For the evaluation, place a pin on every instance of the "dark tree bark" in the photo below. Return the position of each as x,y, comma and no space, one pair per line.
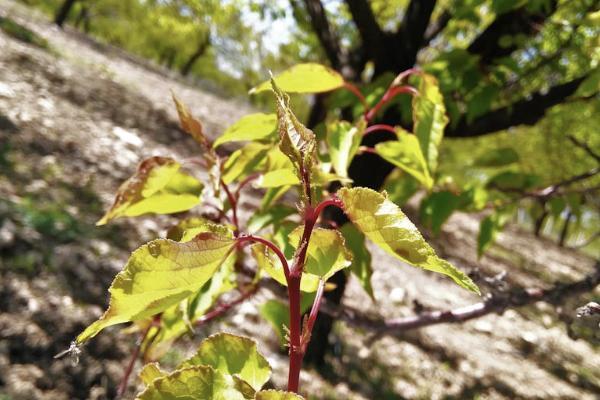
565,230
519,21
63,12
200,51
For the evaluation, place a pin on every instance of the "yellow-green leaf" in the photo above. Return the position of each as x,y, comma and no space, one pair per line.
158,275
343,140
305,78
429,118
150,372
386,225
278,178
197,382
157,187
277,395
361,258
326,254
233,355
257,126
406,154
296,141
268,262
244,161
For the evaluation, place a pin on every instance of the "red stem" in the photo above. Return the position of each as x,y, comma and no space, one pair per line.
223,308
379,127
233,204
123,385
333,201
296,352
392,92
358,94
313,315
243,183
270,245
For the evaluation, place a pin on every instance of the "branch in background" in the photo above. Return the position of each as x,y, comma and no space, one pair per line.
372,37
221,309
495,303
434,29
524,112
325,33
411,35
584,146
515,22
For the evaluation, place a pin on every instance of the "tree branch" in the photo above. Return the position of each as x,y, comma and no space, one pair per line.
325,33
411,35
524,112
434,29
584,146
373,38
496,303
518,21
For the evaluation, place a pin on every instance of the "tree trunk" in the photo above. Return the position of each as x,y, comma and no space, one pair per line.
539,224
187,67
565,230
63,12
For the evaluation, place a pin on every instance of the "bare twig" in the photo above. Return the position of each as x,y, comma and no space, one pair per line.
583,145
497,303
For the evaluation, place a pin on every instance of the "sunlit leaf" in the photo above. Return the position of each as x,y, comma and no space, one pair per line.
343,140
481,101
429,118
269,263
498,158
510,180
361,257
386,225
157,187
326,254
278,178
269,216
277,395
150,372
232,355
305,78
197,225
244,161
197,382
251,127
406,154
296,141
159,275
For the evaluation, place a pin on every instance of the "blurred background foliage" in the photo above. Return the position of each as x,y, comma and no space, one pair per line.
521,76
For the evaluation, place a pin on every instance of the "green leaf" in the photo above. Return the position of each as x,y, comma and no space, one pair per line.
297,142
277,395
489,228
305,78
150,372
251,127
386,225
361,258
270,263
498,158
437,208
244,161
326,254
278,178
156,187
198,382
197,225
510,180
276,313
158,275
406,154
400,186
271,216
233,355
429,118
343,140
481,101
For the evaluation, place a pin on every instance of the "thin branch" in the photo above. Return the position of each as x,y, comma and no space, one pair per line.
314,312
524,112
497,303
270,245
437,27
584,146
233,204
134,356
221,309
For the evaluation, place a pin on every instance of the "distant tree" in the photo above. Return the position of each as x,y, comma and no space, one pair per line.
63,12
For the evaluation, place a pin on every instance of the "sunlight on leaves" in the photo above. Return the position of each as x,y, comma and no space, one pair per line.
305,78
251,127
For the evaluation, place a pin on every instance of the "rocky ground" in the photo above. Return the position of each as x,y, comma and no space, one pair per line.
75,119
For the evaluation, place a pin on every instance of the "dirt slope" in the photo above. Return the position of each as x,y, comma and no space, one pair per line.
74,122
